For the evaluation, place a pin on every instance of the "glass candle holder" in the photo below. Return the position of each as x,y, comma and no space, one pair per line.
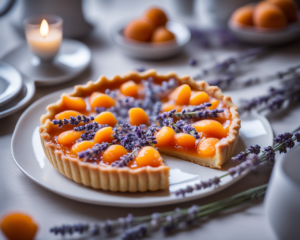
44,34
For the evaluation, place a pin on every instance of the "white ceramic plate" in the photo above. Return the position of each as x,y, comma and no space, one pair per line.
266,37
151,51
29,156
10,83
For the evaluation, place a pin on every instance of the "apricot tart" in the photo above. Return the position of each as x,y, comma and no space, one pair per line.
109,134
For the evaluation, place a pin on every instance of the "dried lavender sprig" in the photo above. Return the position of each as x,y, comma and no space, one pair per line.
94,151
90,130
252,161
125,159
73,120
138,227
181,126
243,155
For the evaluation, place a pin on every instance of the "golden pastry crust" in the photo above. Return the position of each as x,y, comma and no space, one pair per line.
127,179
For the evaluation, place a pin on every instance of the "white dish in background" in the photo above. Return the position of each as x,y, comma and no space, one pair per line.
265,36
10,83
150,51
28,154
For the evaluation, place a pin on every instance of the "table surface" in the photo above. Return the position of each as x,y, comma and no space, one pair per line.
19,193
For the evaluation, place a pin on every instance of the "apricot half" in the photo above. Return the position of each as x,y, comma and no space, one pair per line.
129,89
139,30
288,7
184,140
207,148
148,156
181,95
162,34
165,136
68,137
166,107
214,104
81,146
244,15
18,226
104,135
106,118
156,16
113,153
137,116
73,103
198,98
98,99
268,15
67,114
210,128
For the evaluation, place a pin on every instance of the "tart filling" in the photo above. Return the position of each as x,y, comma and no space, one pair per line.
109,134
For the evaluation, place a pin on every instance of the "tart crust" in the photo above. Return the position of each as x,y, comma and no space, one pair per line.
127,179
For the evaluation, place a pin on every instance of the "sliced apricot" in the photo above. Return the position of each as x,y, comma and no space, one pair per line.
106,118
207,148
81,146
210,128
198,98
113,153
67,114
104,135
73,103
166,107
129,89
68,137
165,136
148,156
181,95
98,99
18,226
137,116
214,104
244,15
184,140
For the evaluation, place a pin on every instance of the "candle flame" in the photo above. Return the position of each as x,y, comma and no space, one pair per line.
44,29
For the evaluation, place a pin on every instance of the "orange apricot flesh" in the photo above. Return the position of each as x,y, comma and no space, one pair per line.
113,153
210,128
184,140
73,103
214,104
148,156
81,146
244,15
156,16
104,135
106,118
268,15
181,95
68,137
162,34
198,98
166,107
18,226
137,116
288,7
139,30
129,89
165,136
207,148
98,99
67,114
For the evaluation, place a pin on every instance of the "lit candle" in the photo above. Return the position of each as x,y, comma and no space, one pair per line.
44,39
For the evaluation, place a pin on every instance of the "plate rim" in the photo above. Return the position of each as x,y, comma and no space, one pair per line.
173,199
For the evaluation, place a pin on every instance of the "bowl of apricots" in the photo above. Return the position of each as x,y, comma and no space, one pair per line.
269,22
152,36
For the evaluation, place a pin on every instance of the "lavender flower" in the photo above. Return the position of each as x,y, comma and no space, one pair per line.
73,120
270,153
193,62
243,155
181,126
250,163
112,94
90,130
70,229
94,151
107,226
125,159
140,69
99,109
135,233
192,214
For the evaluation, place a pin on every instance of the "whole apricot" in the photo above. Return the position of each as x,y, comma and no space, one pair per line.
162,34
289,8
18,226
268,15
139,30
243,15
156,16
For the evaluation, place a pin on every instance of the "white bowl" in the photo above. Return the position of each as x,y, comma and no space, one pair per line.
265,36
152,51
